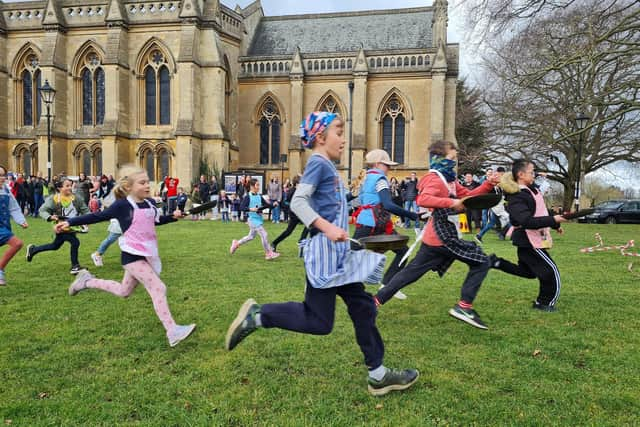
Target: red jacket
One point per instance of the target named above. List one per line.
(433, 193)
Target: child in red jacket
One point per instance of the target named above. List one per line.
(440, 191)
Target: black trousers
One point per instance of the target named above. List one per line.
(364, 231)
(316, 315)
(430, 258)
(536, 263)
(57, 242)
(291, 225)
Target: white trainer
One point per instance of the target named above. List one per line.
(399, 295)
(97, 259)
(179, 333)
(80, 283)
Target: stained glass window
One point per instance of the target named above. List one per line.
(27, 98)
(87, 97)
(150, 96)
(269, 132)
(157, 89)
(393, 129)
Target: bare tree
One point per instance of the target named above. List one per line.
(585, 57)
(470, 128)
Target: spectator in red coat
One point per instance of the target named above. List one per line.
(171, 185)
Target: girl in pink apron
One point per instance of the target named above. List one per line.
(138, 217)
(532, 223)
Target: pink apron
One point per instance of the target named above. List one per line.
(540, 238)
(140, 238)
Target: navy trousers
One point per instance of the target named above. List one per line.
(430, 258)
(316, 315)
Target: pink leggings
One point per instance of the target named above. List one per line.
(252, 234)
(140, 272)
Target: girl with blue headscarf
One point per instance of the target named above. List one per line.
(332, 269)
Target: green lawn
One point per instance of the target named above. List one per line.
(95, 359)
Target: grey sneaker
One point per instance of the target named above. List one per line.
(80, 283)
(393, 380)
(243, 325)
(467, 315)
(179, 333)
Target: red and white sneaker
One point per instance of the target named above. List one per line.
(272, 255)
(234, 247)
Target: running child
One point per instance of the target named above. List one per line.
(531, 235)
(254, 203)
(441, 246)
(373, 216)
(9, 208)
(332, 269)
(137, 215)
(59, 207)
(114, 233)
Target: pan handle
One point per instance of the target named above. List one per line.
(357, 242)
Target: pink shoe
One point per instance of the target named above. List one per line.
(272, 255)
(234, 247)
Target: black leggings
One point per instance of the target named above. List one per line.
(291, 225)
(57, 242)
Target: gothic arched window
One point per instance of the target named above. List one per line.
(29, 90)
(157, 89)
(393, 128)
(26, 159)
(93, 89)
(96, 168)
(330, 105)
(270, 122)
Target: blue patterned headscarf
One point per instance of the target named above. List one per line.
(445, 166)
(314, 124)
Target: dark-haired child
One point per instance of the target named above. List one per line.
(254, 203)
(531, 234)
(59, 207)
(441, 245)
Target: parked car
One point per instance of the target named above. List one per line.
(615, 212)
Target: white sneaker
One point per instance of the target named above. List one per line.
(400, 295)
(97, 259)
(179, 333)
(80, 283)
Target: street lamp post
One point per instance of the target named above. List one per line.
(48, 94)
(351, 86)
(581, 123)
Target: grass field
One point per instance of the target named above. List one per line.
(95, 359)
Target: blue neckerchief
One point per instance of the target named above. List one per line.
(445, 166)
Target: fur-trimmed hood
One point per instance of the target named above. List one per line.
(508, 185)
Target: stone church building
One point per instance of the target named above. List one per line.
(169, 84)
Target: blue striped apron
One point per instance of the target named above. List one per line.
(329, 264)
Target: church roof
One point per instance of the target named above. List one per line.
(394, 29)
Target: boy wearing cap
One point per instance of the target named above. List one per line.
(373, 216)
